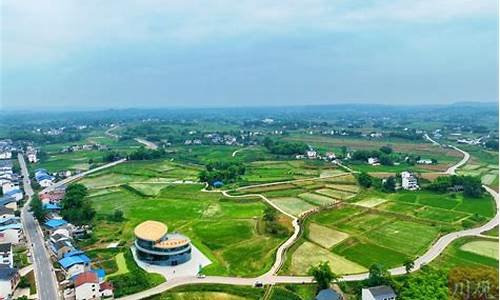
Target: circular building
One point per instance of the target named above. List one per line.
(155, 246)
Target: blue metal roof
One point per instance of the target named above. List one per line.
(53, 223)
(12, 192)
(7, 200)
(11, 226)
(5, 220)
(74, 253)
(43, 177)
(51, 206)
(100, 273)
(73, 260)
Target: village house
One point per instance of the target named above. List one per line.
(15, 193)
(409, 181)
(6, 256)
(74, 263)
(11, 233)
(87, 286)
(374, 161)
(5, 154)
(61, 248)
(54, 224)
(43, 178)
(311, 154)
(9, 279)
(9, 202)
(424, 162)
(6, 212)
(330, 156)
(382, 292)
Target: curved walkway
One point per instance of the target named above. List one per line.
(148, 144)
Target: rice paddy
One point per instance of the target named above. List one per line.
(324, 236)
(309, 254)
(484, 248)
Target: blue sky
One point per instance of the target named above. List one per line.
(91, 54)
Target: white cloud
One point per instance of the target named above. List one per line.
(45, 31)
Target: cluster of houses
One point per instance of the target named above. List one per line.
(470, 141)
(81, 281)
(313, 154)
(11, 229)
(84, 147)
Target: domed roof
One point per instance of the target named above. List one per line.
(150, 230)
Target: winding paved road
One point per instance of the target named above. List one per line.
(270, 278)
(148, 144)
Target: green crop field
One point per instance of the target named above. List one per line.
(208, 291)
(367, 253)
(316, 199)
(224, 229)
(291, 205)
(401, 236)
(483, 163)
(454, 256)
(324, 236)
(483, 248)
(302, 259)
(371, 202)
(335, 193)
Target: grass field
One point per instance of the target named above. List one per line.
(121, 264)
(371, 202)
(483, 248)
(303, 259)
(341, 195)
(210, 291)
(316, 199)
(324, 236)
(291, 205)
(453, 256)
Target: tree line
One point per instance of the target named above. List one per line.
(227, 172)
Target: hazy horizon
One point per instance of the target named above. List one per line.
(75, 55)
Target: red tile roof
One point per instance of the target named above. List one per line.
(86, 277)
(106, 286)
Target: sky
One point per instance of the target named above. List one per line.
(151, 53)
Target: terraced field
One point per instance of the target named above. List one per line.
(385, 228)
(301, 196)
(223, 229)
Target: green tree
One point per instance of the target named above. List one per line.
(118, 215)
(472, 186)
(409, 265)
(37, 208)
(75, 207)
(389, 184)
(386, 149)
(364, 179)
(378, 275)
(323, 275)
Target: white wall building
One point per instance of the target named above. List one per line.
(409, 181)
(87, 286)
